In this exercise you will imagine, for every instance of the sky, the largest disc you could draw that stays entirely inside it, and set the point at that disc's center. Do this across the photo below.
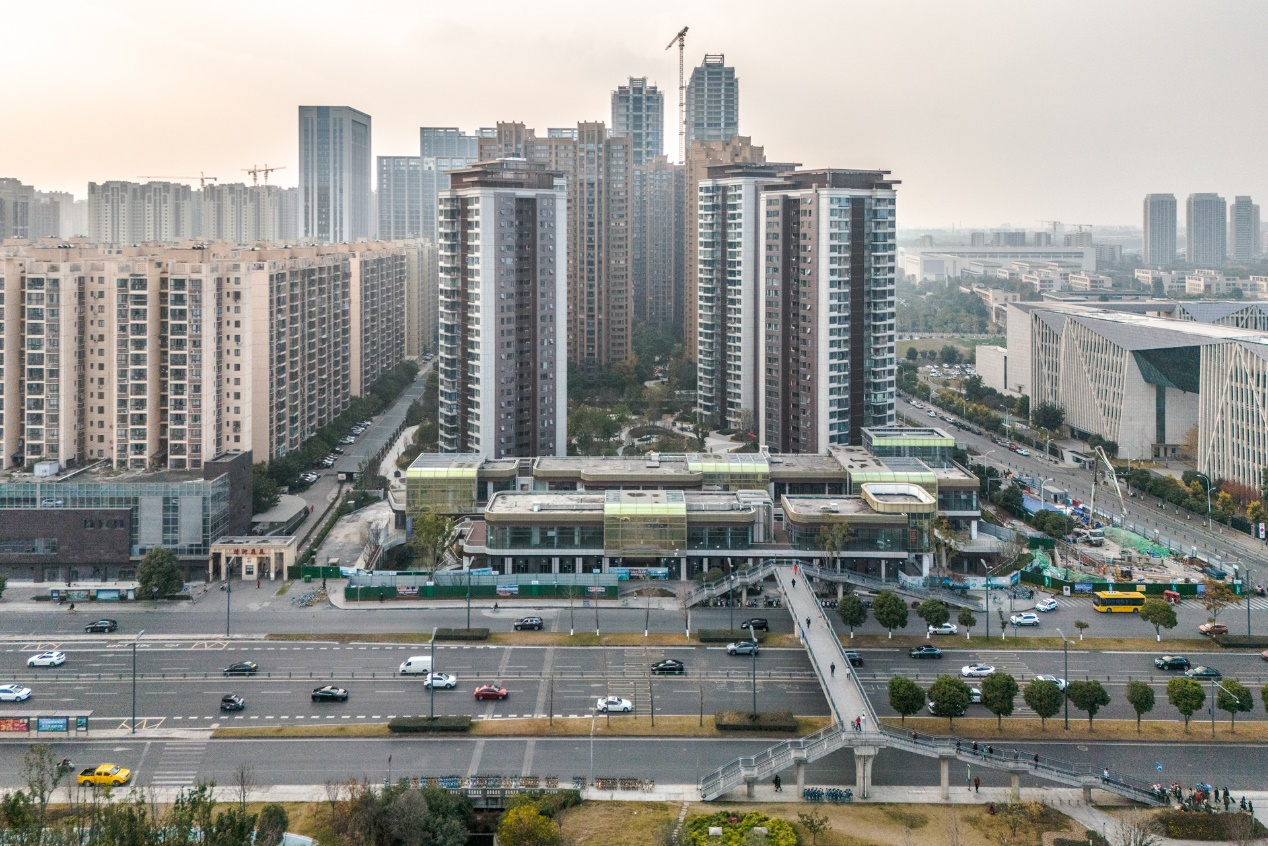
(990, 112)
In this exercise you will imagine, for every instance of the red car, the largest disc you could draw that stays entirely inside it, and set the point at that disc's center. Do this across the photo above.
(1212, 629)
(490, 691)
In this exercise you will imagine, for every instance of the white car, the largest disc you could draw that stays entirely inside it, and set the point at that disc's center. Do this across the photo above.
(47, 659)
(614, 703)
(933, 414)
(975, 698)
(1023, 452)
(13, 693)
(944, 629)
(976, 671)
(1060, 683)
(441, 681)
(1026, 619)
(1048, 604)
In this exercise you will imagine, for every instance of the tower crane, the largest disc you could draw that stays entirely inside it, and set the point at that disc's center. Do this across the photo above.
(202, 178)
(255, 172)
(681, 40)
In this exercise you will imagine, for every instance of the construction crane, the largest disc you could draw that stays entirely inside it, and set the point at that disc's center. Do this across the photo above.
(202, 178)
(681, 40)
(255, 172)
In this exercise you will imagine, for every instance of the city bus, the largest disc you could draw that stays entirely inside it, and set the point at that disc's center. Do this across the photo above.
(1113, 600)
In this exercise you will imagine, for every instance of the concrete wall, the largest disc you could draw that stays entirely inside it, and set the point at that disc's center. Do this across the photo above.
(86, 537)
(1137, 425)
(992, 366)
(1019, 358)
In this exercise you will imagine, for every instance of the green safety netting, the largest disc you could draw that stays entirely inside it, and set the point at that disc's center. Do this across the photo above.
(1133, 541)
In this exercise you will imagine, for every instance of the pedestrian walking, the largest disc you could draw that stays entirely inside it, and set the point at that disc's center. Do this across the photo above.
(794, 583)
(257, 584)
(977, 784)
(1105, 776)
(957, 746)
(779, 785)
(1036, 760)
(807, 622)
(832, 669)
(1016, 755)
(990, 750)
(975, 747)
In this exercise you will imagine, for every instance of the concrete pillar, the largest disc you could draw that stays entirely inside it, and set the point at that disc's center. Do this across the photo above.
(863, 757)
(944, 772)
(1014, 784)
(972, 530)
(1087, 794)
(682, 570)
(799, 769)
(840, 591)
(554, 565)
(882, 569)
(744, 596)
(750, 788)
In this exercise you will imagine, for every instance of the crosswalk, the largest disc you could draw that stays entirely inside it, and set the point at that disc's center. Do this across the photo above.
(178, 765)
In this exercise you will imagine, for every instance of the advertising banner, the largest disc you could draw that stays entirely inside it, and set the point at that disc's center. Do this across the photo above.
(51, 723)
(508, 590)
(12, 724)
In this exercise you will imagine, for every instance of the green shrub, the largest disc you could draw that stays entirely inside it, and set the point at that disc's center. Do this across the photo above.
(727, 635)
(1091, 838)
(1241, 641)
(417, 725)
(462, 634)
(1191, 826)
(778, 832)
(765, 721)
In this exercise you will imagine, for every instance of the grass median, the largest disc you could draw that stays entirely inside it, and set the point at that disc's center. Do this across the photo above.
(1010, 644)
(297, 730)
(984, 729)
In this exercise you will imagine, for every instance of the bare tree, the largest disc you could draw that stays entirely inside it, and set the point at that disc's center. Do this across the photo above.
(41, 774)
(244, 782)
(1135, 829)
(1239, 827)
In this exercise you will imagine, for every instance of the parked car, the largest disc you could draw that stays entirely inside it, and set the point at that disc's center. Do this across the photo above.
(232, 702)
(1212, 629)
(14, 693)
(101, 626)
(490, 691)
(1023, 452)
(330, 693)
(976, 671)
(1048, 604)
(1173, 662)
(757, 623)
(242, 668)
(1026, 619)
(533, 623)
(1204, 673)
(47, 659)
(614, 703)
(1060, 683)
(668, 667)
(441, 681)
(944, 629)
(924, 652)
(742, 647)
(855, 659)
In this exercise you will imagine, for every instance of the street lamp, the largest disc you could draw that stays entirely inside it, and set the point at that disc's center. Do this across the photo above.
(730, 590)
(431, 683)
(228, 593)
(1065, 651)
(134, 643)
(1246, 588)
(752, 635)
(1208, 499)
(596, 601)
(572, 627)
(1215, 684)
(468, 599)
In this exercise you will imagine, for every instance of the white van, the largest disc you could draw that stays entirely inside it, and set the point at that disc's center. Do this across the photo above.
(417, 665)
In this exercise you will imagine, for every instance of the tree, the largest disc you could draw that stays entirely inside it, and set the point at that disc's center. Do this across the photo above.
(1081, 626)
(433, 534)
(1141, 697)
(41, 774)
(906, 697)
(525, 826)
(1217, 597)
(1136, 829)
(271, 825)
(1187, 696)
(912, 354)
(265, 492)
(889, 609)
(999, 692)
(1160, 614)
(853, 612)
(1087, 696)
(934, 612)
(1010, 499)
(1048, 415)
(965, 618)
(950, 698)
(1235, 698)
(815, 823)
(833, 538)
(159, 574)
(4, 582)
(950, 354)
(1044, 698)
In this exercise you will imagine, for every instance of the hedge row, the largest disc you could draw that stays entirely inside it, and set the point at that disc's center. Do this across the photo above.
(462, 634)
(418, 725)
(765, 721)
(1188, 825)
(1242, 641)
(727, 635)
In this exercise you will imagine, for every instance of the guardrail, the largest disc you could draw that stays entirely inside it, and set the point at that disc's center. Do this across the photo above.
(767, 567)
(778, 757)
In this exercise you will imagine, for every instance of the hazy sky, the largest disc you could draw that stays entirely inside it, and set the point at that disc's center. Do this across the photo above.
(989, 111)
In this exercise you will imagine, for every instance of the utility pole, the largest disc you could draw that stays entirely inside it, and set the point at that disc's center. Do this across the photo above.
(681, 40)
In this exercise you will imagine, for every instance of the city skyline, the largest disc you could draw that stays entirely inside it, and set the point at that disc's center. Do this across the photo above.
(946, 102)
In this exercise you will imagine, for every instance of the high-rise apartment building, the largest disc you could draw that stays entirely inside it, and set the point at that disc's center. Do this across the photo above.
(16, 200)
(503, 323)
(1206, 230)
(713, 101)
(236, 213)
(422, 296)
(827, 351)
(442, 149)
(638, 113)
(137, 213)
(1244, 238)
(400, 197)
(162, 357)
(335, 172)
(658, 283)
(701, 155)
(1159, 249)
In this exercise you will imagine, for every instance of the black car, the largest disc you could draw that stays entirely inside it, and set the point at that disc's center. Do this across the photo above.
(242, 668)
(1171, 662)
(533, 623)
(855, 659)
(232, 702)
(330, 693)
(102, 626)
(924, 652)
(758, 623)
(1204, 673)
(668, 667)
